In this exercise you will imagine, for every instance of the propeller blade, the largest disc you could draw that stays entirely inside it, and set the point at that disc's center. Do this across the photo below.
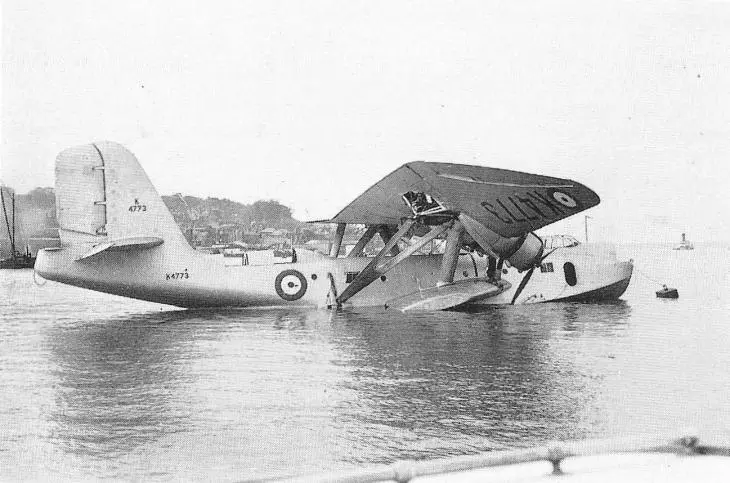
(527, 277)
(522, 285)
(546, 255)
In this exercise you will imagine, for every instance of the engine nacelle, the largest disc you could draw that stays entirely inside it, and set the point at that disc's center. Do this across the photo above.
(521, 252)
(528, 254)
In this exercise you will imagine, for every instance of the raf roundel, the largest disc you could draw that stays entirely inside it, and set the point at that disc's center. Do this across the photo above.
(291, 285)
(564, 199)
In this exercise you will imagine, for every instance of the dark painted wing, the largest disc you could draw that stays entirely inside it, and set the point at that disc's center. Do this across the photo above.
(510, 203)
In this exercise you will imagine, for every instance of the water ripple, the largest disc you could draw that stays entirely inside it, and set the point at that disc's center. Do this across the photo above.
(99, 387)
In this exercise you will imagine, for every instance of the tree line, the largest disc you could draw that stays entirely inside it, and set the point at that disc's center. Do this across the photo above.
(35, 213)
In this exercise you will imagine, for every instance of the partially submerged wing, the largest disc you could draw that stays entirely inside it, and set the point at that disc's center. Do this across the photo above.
(509, 203)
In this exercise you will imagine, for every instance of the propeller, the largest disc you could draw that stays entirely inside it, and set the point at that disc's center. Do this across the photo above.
(528, 275)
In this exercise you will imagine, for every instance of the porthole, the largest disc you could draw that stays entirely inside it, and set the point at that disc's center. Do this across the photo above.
(570, 276)
(314, 276)
(383, 278)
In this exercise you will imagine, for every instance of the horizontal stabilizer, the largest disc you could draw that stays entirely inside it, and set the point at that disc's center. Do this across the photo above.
(124, 244)
(449, 296)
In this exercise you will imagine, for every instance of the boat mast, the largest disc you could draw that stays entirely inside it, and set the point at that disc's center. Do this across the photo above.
(12, 197)
(7, 224)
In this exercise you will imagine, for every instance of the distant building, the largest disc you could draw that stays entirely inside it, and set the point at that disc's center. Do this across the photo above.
(203, 236)
(275, 237)
(229, 232)
(251, 238)
(320, 246)
(324, 246)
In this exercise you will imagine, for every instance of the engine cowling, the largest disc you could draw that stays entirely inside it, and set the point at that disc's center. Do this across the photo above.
(528, 253)
(521, 252)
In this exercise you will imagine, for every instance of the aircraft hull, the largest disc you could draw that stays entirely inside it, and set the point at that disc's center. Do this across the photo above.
(118, 236)
(187, 278)
(598, 276)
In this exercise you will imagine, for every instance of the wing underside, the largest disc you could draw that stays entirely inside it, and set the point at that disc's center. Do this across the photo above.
(510, 203)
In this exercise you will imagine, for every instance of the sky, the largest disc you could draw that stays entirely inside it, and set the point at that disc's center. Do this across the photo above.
(310, 103)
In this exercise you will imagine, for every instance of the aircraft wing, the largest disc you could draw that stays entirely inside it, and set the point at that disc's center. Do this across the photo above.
(510, 203)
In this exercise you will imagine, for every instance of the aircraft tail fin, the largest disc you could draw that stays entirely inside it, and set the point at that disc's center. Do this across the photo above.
(104, 195)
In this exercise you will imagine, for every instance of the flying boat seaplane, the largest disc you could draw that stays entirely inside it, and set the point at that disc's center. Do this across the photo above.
(117, 236)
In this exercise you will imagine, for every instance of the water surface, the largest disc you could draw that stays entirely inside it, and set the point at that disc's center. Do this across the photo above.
(101, 387)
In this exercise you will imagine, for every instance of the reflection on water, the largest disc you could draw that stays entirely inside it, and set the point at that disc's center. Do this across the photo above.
(428, 387)
(326, 389)
(101, 387)
(118, 382)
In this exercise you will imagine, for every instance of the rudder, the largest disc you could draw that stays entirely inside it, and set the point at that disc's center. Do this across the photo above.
(103, 194)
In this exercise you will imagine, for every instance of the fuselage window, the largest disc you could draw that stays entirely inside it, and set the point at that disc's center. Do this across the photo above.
(350, 276)
(547, 267)
(570, 276)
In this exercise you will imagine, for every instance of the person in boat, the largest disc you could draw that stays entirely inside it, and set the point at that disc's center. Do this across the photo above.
(664, 287)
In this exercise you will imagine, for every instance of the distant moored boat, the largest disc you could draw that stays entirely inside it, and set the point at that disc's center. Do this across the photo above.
(16, 260)
(684, 244)
(667, 293)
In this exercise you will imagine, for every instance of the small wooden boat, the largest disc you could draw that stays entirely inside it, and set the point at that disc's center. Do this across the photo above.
(667, 293)
(18, 261)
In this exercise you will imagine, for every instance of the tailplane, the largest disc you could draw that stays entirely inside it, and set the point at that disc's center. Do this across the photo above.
(103, 196)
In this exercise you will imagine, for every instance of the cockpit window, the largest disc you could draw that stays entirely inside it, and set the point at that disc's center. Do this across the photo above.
(560, 241)
(422, 203)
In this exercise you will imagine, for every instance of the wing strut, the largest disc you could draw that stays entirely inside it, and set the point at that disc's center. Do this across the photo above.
(337, 243)
(363, 241)
(386, 233)
(379, 265)
(451, 254)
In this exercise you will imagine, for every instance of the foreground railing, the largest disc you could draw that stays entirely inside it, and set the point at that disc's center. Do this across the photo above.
(404, 471)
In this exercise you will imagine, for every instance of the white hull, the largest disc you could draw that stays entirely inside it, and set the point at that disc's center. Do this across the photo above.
(117, 236)
(187, 278)
(599, 276)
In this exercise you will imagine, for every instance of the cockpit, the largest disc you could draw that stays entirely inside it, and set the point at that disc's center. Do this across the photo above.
(559, 241)
(422, 204)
